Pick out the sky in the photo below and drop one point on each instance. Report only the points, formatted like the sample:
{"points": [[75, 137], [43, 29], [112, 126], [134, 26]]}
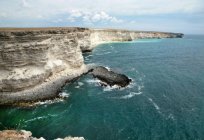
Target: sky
{"points": [[185, 16]]}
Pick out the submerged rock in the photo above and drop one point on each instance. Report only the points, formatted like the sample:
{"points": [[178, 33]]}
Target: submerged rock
{"points": [[109, 77]]}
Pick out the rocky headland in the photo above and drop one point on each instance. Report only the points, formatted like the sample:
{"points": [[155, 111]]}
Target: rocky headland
{"points": [[36, 62]]}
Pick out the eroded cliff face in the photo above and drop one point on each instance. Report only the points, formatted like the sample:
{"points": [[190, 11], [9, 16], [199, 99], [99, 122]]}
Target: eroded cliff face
{"points": [[31, 59], [99, 36]]}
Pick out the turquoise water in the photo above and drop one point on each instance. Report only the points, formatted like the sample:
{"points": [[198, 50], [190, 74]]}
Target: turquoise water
{"points": [[165, 100]]}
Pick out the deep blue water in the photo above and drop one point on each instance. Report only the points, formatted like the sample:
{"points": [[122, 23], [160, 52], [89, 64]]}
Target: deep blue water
{"points": [[165, 100]]}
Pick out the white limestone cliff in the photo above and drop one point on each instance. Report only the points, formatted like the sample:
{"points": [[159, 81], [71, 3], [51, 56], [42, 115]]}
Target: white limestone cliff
{"points": [[35, 63]]}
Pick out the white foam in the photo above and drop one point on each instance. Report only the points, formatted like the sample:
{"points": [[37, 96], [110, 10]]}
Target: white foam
{"points": [[41, 117], [64, 95], [37, 118], [110, 88], [80, 83], [155, 105], [48, 102], [140, 87], [171, 116], [77, 86], [131, 85], [132, 94], [92, 81], [107, 68]]}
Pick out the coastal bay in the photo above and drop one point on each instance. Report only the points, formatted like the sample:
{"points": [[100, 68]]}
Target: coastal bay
{"points": [[36, 62]]}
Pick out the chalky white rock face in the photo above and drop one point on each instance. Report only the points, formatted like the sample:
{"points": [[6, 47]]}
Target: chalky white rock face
{"points": [[99, 36], [36, 62], [29, 57]]}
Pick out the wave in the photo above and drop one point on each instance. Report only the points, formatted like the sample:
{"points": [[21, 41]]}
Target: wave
{"points": [[79, 85], [110, 88], [170, 116], [48, 102], [108, 68], [37, 118], [140, 87], [64, 95], [132, 94], [154, 104], [41, 118], [98, 82], [88, 56], [91, 81], [103, 53], [61, 98], [86, 59]]}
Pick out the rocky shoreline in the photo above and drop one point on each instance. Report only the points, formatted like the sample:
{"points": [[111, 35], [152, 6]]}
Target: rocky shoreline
{"points": [[47, 90], [27, 135], [36, 62]]}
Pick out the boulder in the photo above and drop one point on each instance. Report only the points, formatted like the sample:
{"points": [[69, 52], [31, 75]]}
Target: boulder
{"points": [[109, 77]]}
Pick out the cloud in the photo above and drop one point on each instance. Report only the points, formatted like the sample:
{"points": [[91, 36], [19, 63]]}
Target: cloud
{"points": [[113, 7], [104, 13], [74, 15], [25, 4], [91, 17], [3, 15], [128, 7], [57, 20]]}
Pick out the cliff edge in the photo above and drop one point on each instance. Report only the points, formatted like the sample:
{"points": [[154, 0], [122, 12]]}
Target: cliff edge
{"points": [[36, 62]]}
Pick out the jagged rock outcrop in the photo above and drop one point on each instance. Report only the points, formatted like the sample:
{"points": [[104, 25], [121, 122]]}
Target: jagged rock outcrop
{"points": [[35, 63], [109, 77], [17, 135], [27, 135]]}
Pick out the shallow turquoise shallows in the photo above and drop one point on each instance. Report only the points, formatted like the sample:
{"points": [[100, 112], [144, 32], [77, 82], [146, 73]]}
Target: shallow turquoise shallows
{"points": [[165, 101]]}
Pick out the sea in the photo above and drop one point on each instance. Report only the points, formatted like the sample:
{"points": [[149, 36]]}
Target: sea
{"points": [[165, 100]]}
